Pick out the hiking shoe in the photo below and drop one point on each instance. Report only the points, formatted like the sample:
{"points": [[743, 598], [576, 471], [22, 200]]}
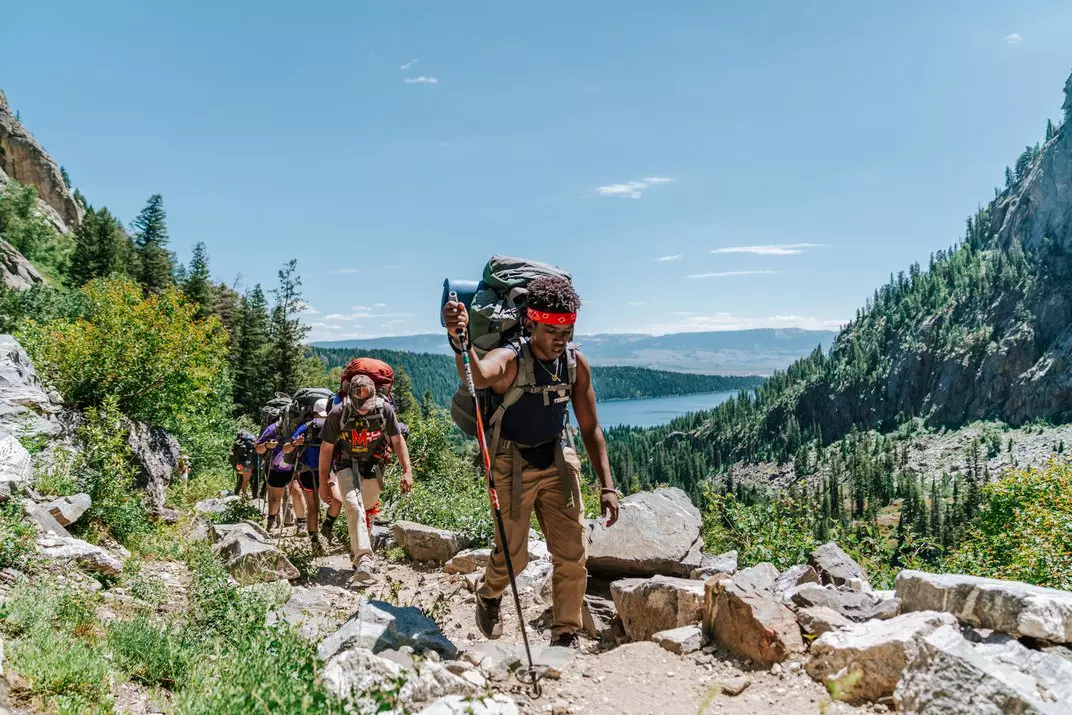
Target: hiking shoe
{"points": [[565, 640], [299, 524], [327, 530], [364, 574], [315, 544], [487, 616], [273, 522]]}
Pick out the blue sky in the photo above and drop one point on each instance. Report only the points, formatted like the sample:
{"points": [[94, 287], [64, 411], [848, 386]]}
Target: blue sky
{"points": [[387, 145]]}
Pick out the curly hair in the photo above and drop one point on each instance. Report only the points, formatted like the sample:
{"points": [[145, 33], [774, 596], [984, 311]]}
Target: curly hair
{"points": [[553, 294]]}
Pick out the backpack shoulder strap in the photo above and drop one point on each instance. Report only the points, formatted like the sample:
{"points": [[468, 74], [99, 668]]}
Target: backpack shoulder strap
{"points": [[571, 364], [525, 378]]}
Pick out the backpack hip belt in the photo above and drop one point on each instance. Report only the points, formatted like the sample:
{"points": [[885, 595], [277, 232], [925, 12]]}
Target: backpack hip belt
{"points": [[526, 382]]}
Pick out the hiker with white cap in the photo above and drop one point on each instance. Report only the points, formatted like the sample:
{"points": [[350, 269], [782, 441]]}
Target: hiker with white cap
{"points": [[306, 439]]}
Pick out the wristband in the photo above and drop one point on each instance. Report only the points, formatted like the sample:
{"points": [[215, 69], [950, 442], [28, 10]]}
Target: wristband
{"points": [[610, 490]]}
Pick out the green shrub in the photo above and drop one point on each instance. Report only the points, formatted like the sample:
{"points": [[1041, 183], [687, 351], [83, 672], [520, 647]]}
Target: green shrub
{"points": [[105, 471], [148, 354], [17, 537], [1023, 531], [238, 510], [30, 233], [153, 652]]}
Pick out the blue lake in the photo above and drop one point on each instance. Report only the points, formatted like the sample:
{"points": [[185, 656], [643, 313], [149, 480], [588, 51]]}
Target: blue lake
{"points": [[656, 410]]}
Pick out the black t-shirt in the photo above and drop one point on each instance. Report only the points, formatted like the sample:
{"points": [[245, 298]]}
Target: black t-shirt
{"points": [[357, 440], [529, 420]]}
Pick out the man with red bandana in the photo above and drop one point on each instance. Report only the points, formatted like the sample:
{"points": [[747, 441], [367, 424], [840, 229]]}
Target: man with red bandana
{"points": [[534, 465]]}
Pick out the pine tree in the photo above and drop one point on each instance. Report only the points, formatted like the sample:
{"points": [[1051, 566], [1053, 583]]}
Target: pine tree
{"points": [[250, 353], [287, 331], [198, 284], [1051, 131], [151, 238], [402, 392], [227, 305], [101, 248]]}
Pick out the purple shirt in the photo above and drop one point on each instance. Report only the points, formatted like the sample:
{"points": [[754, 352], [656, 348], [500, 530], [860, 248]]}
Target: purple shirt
{"points": [[277, 454]]}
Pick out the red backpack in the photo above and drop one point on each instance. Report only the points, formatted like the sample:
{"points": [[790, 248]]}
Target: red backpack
{"points": [[381, 374]]}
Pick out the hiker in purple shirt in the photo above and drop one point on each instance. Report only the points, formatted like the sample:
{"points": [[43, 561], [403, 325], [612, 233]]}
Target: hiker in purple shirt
{"points": [[280, 476]]}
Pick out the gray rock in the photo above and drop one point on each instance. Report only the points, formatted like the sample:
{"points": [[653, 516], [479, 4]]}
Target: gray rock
{"points": [[760, 577], [887, 609], [750, 621], [25, 410], [836, 567], [219, 532], [497, 658], [214, 506], [16, 466], [852, 604], [354, 672], [156, 459], [817, 620], [16, 272], [426, 543], [1018, 609], [315, 611], [657, 532], [45, 522], [734, 686], [86, 556], [952, 676], [68, 510], [497, 704], [468, 561], [380, 626], [865, 661], [382, 538], [794, 576], [710, 565], [250, 560], [598, 617], [647, 606], [684, 640]]}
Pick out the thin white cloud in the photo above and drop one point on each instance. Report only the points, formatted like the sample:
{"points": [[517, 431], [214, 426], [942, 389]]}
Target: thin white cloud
{"points": [[691, 323], [359, 308], [730, 274], [409, 64], [347, 271], [636, 303], [378, 305], [785, 249], [307, 309], [666, 259], [336, 316], [1012, 39], [421, 80], [632, 189]]}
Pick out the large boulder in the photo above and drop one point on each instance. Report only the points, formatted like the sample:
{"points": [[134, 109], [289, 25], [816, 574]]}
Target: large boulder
{"points": [[67, 510], [67, 550], [1011, 607], [16, 272], [25, 408], [950, 675], [355, 672], [44, 521], [427, 543], [647, 606], [865, 661], [658, 533], [219, 532], [156, 458], [837, 568], [380, 626], [750, 620], [854, 605], [252, 560], [16, 465]]}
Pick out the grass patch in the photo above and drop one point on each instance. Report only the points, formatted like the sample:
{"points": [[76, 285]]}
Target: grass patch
{"points": [[17, 538], [153, 652]]}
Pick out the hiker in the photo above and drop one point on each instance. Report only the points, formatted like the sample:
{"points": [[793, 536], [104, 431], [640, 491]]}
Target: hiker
{"points": [[243, 453], [357, 437], [280, 476], [533, 467], [306, 441]]}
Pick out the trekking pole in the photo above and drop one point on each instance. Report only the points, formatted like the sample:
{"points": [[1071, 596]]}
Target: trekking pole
{"points": [[532, 677]]}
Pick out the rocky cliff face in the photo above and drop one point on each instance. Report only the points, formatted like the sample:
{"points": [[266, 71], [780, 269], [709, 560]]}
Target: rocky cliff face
{"points": [[23, 159]]}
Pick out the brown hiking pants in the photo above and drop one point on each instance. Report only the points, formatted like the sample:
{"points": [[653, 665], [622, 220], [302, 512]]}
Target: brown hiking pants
{"points": [[562, 526]]}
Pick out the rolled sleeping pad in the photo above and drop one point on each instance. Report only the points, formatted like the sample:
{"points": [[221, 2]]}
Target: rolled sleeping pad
{"points": [[465, 289]]}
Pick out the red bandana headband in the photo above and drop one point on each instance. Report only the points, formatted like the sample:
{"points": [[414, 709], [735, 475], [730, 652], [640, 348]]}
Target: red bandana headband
{"points": [[552, 318]]}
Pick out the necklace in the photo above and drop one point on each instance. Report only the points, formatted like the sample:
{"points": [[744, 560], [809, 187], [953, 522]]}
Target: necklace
{"points": [[554, 375]]}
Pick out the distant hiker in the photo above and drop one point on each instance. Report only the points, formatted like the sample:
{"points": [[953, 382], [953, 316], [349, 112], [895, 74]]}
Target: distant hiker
{"points": [[280, 475], [306, 443], [243, 455], [532, 381], [358, 436]]}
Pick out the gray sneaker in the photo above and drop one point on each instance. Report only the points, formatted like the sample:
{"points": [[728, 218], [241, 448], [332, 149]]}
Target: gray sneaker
{"points": [[364, 574], [487, 616]]}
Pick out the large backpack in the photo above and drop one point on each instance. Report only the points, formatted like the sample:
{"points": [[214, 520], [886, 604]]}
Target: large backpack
{"points": [[494, 319], [243, 449], [274, 408], [300, 409]]}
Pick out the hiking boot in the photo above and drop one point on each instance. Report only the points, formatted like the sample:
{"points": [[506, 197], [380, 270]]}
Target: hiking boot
{"points": [[364, 574], [273, 522], [314, 543], [565, 640], [327, 530], [487, 616], [299, 524]]}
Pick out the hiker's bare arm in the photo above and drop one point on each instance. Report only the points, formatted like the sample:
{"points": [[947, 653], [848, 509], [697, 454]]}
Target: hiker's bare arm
{"points": [[490, 371], [584, 406], [398, 442], [326, 450]]}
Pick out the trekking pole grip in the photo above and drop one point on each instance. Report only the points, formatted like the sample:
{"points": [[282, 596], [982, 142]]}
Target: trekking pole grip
{"points": [[453, 298]]}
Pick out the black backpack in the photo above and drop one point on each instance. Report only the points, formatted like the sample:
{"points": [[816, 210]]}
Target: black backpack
{"points": [[243, 449]]}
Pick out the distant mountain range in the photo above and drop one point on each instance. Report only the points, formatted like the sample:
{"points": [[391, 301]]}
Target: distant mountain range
{"points": [[729, 352]]}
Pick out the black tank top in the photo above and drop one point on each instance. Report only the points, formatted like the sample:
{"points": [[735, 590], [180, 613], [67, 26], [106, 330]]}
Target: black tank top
{"points": [[530, 421]]}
